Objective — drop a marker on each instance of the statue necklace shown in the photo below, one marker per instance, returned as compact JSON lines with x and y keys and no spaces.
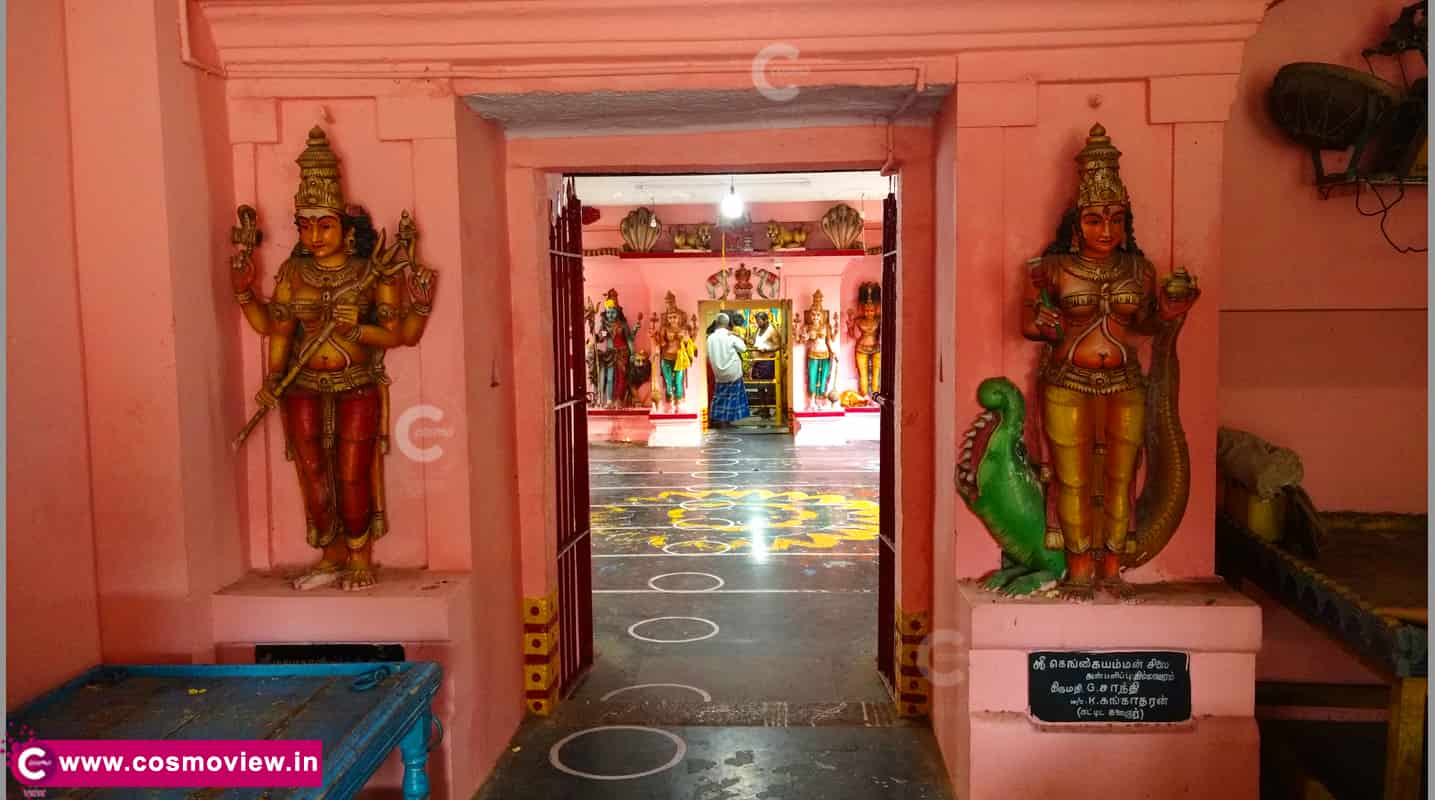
{"x":321,"y":278}
{"x":1097,"y":271}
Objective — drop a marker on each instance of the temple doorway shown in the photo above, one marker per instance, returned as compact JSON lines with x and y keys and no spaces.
{"x":737,"y":557}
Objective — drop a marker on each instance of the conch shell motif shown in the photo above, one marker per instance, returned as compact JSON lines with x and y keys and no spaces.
{"x":843,"y":225}
{"x":640,"y":230}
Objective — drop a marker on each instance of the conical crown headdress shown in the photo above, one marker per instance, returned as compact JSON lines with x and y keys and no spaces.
{"x":1099,"y":167}
{"x":318,"y":176}
{"x":672,"y":304}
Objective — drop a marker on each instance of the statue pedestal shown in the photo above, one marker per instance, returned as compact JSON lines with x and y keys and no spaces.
{"x":619,"y":425}
{"x":987,"y":680}
{"x":430,"y":613}
{"x":682,"y":429}
{"x":864,"y":424}
{"x":819,"y":428}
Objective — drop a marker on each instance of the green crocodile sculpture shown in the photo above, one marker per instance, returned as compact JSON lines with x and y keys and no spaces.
{"x":1000,"y":485}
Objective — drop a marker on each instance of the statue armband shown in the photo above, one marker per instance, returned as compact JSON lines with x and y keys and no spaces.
{"x":281,"y":312}
{"x":387,"y":313}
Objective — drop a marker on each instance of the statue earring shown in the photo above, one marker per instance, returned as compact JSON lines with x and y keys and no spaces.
{"x":1075,"y":246}
{"x":349,"y":243}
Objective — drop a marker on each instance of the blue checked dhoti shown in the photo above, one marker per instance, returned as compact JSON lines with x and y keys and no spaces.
{"x":729,"y":402}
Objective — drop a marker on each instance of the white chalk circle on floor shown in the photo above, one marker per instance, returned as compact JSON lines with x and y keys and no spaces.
{"x":707,"y":505}
{"x":706,"y":524}
{"x":726,"y":547}
{"x":680,"y":750}
{"x":717,"y":462}
{"x":652,"y":583}
{"x":634,"y":633}
{"x":707,"y":698}
{"x":723,"y":438}
{"x":722,"y":451}
{"x":712,"y":487}
{"x":705,"y":474}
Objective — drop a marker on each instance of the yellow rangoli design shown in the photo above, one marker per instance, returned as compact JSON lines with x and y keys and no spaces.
{"x":737,"y":511}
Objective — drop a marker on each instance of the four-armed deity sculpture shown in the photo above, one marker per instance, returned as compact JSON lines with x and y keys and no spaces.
{"x":1090,"y":295}
{"x":864,"y":325}
{"x":613,"y":345}
{"x":672,"y":336}
{"x":340,"y":300}
{"x":816,"y":332}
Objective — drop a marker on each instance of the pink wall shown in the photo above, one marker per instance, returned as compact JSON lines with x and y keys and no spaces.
{"x":495,"y":690}
{"x":1323,"y":325}
{"x":949,"y":714}
{"x":50,"y":547}
{"x":160,"y":374}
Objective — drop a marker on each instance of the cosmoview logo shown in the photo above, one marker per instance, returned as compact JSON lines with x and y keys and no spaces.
{"x":407,"y":438}
{"x":34,"y":763}
{"x":760,"y":62}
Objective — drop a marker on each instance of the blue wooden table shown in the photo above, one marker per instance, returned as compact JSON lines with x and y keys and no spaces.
{"x":360,"y":711}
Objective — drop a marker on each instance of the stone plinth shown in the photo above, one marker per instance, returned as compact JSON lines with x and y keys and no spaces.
{"x":429,"y":613}
{"x":1003,"y":751}
{"x":819,"y":428}
{"x":864,"y":424}
{"x":676,"y":430}
{"x":623,"y":425}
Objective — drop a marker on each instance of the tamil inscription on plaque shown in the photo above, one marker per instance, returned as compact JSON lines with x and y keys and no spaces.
{"x":1107,"y":688}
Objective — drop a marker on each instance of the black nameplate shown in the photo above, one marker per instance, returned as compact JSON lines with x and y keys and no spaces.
{"x":1107,"y":688}
{"x":326,"y":653}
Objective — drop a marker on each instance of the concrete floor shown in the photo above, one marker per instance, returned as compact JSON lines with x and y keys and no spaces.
{"x":735,"y":628}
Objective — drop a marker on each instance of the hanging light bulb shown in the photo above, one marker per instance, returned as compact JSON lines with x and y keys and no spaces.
{"x":653,"y":220}
{"x":731,"y":203}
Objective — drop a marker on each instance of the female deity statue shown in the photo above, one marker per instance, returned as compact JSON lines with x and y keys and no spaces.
{"x":613,"y":341}
{"x":816,"y":333}
{"x":1090,"y":295}
{"x":672,"y":336}
{"x":865,"y":326}
{"x":339,"y":302}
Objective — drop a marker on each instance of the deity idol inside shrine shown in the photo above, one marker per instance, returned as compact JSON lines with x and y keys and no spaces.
{"x":798,"y":279}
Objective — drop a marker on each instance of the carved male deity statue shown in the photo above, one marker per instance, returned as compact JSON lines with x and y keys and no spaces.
{"x":340,"y":300}
{"x":816,"y":332}
{"x":672,"y":336}
{"x":864,"y":325}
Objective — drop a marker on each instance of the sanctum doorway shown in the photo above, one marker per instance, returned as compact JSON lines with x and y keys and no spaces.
{"x":659,"y":636}
{"x":740,"y":562}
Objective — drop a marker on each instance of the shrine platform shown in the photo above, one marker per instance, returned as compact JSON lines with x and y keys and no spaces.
{"x":622,"y":425}
{"x":680,"y":429}
{"x":429,"y":613}
{"x":864,"y":424}
{"x":987,"y":688}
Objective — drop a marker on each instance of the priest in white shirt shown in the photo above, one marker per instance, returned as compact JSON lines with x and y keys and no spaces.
{"x":725,"y":350}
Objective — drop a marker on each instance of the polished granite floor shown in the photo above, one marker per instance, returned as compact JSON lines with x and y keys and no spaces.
{"x":735,"y":625}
